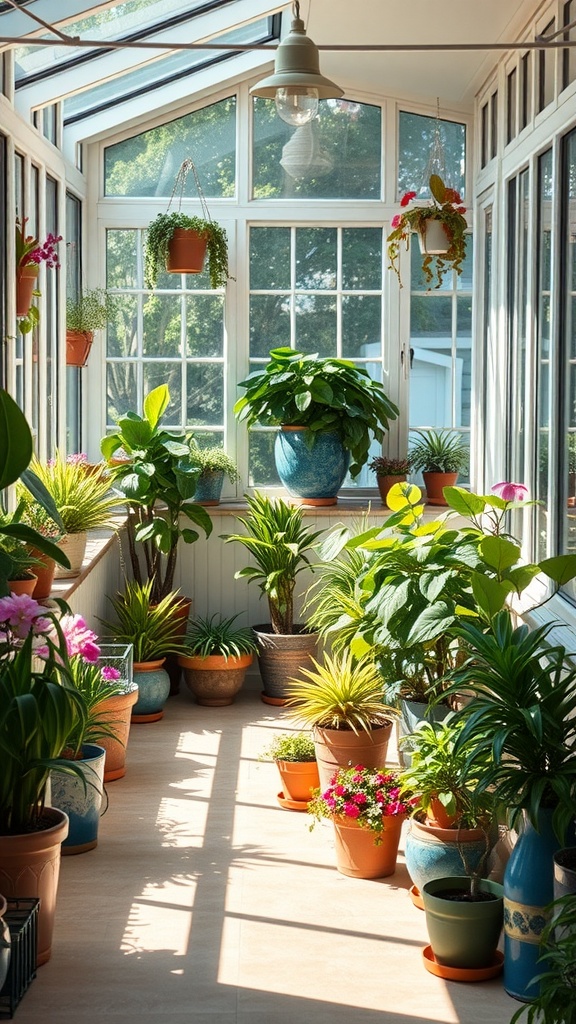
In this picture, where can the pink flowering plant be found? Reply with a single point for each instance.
(446, 208)
(364, 795)
(31, 252)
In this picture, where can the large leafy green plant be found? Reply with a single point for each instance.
(412, 580)
(15, 455)
(322, 394)
(522, 715)
(157, 477)
(279, 542)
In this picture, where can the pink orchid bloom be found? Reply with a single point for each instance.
(510, 491)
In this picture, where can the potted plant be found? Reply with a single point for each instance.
(88, 313)
(367, 811)
(440, 454)
(178, 243)
(30, 253)
(83, 499)
(452, 828)
(329, 410)
(556, 1002)
(157, 478)
(36, 517)
(214, 465)
(154, 631)
(215, 659)
(39, 711)
(389, 472)
(522, 714)
(280, 545)
(342, 702)
(441, 227)
(295, 757)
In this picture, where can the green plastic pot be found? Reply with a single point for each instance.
(463, 935)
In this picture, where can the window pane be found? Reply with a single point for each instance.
(417, 134)
(526, 90)
(545, 199)
(122, 333)
(336, 156)
(463, 383)
(547, 70)
(269, 258)
(316, 324)
(269, 323)
(205, 326)
(122, 393)
(568, 450)
(361, 259)
(316, 258)
(161, 372)
(146, 164)
(205, 392)
(511, 106)
(121, 259)
(361, 324)
(262, 464)
(569, 55)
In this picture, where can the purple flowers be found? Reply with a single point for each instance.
(79, 639)
(510, 491)
(20, 615)
(30, 252)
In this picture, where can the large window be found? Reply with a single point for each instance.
(568, 353)
(315, 289)
(441, 350)
(543, 349)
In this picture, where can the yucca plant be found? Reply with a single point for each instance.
(439, 451)
(341, 693)
(279, 542)
(522, 716)
(82, 497)
(153, 629)
(215, 635)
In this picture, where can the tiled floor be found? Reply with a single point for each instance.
(205, 902)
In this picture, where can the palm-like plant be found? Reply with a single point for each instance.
(83, 498)
(340, 694)
(439, 451)
(153, 629)
(522, 715)
(279, 542)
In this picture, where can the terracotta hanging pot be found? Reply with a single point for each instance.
(357, 854)
(186, 252)
(26, 280)
(78, 345)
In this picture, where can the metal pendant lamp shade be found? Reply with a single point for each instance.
(297, 69)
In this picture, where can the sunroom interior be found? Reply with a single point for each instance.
(100, 103)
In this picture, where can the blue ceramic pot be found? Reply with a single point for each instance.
(433, 852)
(528, 888)
(313, 472)
(153, 688)
(209, 487)
(81, 799)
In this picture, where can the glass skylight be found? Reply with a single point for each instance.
(131, 19)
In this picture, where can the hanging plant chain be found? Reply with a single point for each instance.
(180, 184)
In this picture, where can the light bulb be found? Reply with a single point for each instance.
(297, 105)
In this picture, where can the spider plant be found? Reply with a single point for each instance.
(208, 636)
(153, 629)
(340, 694)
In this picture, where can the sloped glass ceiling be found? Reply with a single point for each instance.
(132, 19)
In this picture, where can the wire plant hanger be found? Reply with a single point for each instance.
(180, 180)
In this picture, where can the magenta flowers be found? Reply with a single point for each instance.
(368, 795)
(30, 252)
(510, 491)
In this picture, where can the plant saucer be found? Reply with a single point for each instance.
(462, 973)
(416, 897)
(277, 702)
(291, 805)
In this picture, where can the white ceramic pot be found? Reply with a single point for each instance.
(74, 547)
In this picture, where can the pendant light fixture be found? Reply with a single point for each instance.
(297, 84)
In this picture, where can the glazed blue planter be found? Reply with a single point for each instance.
(316, 472)
(528, 888)
(153, 689)
(81, 800)
(209, 487)
(433, 852)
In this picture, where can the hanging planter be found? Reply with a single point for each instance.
(441, 227)
(78, 345)
(433, 238)
(179, 242)
(26, 280)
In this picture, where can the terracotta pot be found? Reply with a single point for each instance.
(339, 748)
(78, 345)
(280, 658)
(115, 712)
(433, 238)
(186, 252)
(44, 572)
(74, 546)
(438, 816)
(298, 778)
(30, 866)
(214, 680)
(358, 856)
(153, 690)
(19, 587)
(435, 484)
(386, 482)
(26, 281)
